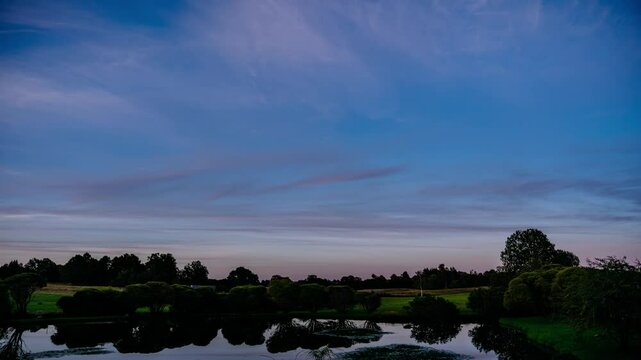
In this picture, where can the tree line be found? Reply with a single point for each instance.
(128, 269)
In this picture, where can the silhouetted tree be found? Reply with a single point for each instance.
(527, 250)
(86, 270)
(12, 268)
(162, 267)
(242, 276)
(48, 269)
(565, 258)
(194, 273)
(126, 269)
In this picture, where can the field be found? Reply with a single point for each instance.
(44, 300)
(585, 345)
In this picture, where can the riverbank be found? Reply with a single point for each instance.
(42, 308)
(589, 344)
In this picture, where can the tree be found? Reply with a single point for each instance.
(313, 296)
(162, 267)
(85, 270)
(194, 273)
(21, 288)
(565, 258)
(154, 294)
(608, 296)
(126, 269)
(527, 250)
(487, 303)
(12, 268)
(95, 302)
(341, 297)
(45, 267)
(248, 298)
(6, 305)
(370, 301)
(431, 309)
(241, 276)
(529, 293)
(284, 293)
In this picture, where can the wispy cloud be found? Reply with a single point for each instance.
(28, 92)
(274, 32)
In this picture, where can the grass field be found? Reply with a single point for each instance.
(44, 300)
(585, 345)
(44, 303)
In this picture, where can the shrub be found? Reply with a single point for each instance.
(370, 301)
(154, 294)
(211, 300)
(529, 293)
(341, 297)
(487, 303)
(187, 300)
(248, 298)
(6, 305)
(431, 309)
(313, 297)
(284, 293)
(94, 302)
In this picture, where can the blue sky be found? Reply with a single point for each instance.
(327, 137)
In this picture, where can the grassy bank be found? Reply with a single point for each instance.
(561, 336)
(44, 302)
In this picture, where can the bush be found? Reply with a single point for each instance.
(529, 293)
(21, 287)
(94, 302)
(284, 293)
(211, 300)
(370, 301)
(487, 303)
(187, 300)
(431, 309)
(248, 298)
(6, 305)
(154, 294)
(341, 297)
(313, 297)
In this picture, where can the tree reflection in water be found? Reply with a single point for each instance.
(154, 335)
(11, 343)
(435, 333)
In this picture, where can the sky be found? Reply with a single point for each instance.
(319, 137)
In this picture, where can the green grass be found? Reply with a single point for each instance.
(44, 303)
(557, 334)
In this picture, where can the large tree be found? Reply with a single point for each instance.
(162, 267)
(242, 276)
(527, 250)
(126, 269)
(194, 273)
